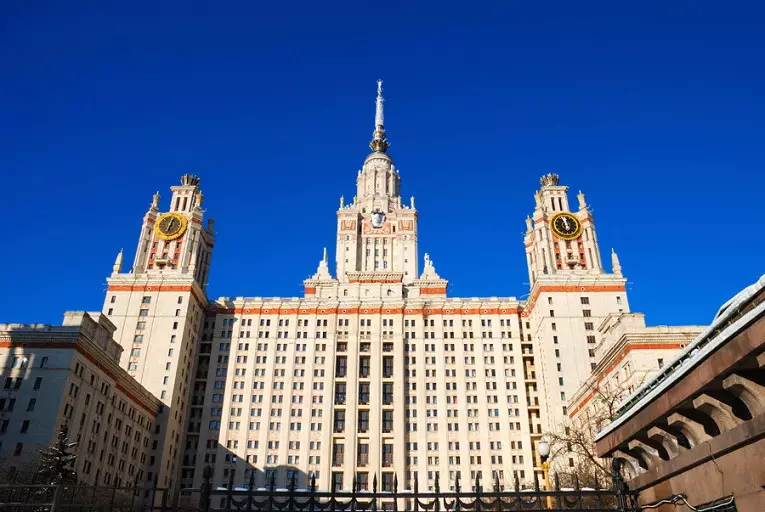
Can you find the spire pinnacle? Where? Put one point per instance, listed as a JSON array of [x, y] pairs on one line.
[[117, 267], [616, 267], [379, 142]]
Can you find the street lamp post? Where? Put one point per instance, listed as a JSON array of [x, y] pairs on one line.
[[543, 450]]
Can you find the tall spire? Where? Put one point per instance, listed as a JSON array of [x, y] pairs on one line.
[[379, 143]]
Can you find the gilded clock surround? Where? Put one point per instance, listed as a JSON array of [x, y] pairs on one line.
[[165, 227], [560, 234]]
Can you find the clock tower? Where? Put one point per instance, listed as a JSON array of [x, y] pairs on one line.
[[571, 296], [558, 240], [158, 307]]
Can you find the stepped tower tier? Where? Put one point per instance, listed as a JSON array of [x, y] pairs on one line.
[[376, 233]]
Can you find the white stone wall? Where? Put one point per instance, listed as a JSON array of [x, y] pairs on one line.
[[80, 384]]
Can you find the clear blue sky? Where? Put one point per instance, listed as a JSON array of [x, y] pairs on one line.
[[655, 110]]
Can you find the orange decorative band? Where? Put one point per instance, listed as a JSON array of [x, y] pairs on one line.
[[619, 359]]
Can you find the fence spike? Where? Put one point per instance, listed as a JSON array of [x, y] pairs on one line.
[[313, 482], [438, 486], [517, 483], [557, 482], [395, 482], [293, 483], [273, 481], [477, 482], [416, 486], [251, 483], [374, 483], [457, 482], [496, 482], [597, 484], [576, 481], [354, 484], [536, 481]]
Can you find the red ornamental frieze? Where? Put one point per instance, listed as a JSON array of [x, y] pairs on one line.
[[405, 225], [369, 230], [347, 225]]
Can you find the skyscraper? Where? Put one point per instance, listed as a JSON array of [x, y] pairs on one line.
[[375, 370]]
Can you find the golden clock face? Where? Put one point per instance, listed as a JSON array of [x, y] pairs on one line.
[[566, 226], [170, 226]]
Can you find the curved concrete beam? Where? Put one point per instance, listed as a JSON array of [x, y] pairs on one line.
[[748, 391], [691, 429], [649, 454], [667, 440], [720, 412], [631, 464]]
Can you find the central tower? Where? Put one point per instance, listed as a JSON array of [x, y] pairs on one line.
[[376, 234]]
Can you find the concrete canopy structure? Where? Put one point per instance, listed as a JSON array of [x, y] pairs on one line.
[[697, 427]]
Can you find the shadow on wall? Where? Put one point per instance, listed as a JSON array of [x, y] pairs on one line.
[[230, 469]]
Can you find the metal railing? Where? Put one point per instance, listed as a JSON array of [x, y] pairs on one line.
[[248, 498]]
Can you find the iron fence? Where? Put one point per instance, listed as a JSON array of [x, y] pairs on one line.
[[248, 498]]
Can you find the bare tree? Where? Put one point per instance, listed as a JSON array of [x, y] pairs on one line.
[[575, 440]]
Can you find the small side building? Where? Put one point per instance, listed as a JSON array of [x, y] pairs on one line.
[[70, 374], [628, 354], [695, 432]]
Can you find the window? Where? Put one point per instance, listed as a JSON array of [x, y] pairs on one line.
[[661, 363], [339, 393], [341, 366], [387, 460], [38, 383], [588, 326], [387, 393], [362, 481], [143, 312], [339, 421], [387, 367], [31, 406], [146, 300], [387, 417], [337, 480], [586, 313], [363, 421], [585, 300], [113, 299], [132, 366], [44, 362], [363, 455], [364, 367], [363, 393], [19, 447], [25, 426], [338, 454]]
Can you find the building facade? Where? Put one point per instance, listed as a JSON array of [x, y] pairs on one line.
[[375, 370], [629, 353], [71, 374]]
